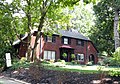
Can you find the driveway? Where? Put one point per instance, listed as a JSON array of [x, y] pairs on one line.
[[6, 80]]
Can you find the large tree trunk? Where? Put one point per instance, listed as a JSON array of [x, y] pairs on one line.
[[116, 32]]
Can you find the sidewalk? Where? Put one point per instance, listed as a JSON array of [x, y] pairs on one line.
[[6, 80]]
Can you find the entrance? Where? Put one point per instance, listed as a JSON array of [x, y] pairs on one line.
[[67, 52], [92, 58]]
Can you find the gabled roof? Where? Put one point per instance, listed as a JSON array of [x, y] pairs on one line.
[[72, 34]]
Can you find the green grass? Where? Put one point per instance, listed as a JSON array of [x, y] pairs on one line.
[[51, 67], [80, 68], [71, 70]]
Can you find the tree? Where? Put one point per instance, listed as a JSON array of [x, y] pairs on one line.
[[6, 32], [82, 18], [39, 14], [103, 33], [116, 8]]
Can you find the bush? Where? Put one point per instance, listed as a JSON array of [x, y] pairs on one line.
[[52, 61], [73, 56], [22, 63], [63, 62], [115, 73], [45, 62], [59, 60], [64, 55], [89, 63], [115, 60], [3, 51]]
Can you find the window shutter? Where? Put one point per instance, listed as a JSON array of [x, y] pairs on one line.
[[53, 39], [62, 40], [69, 40], [45, 38], [82, 43]]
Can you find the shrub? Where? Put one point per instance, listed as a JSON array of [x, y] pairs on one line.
[[59, 60], [64, 55], [22, 63], [73, 56], [89, 63], [115, 60], [115, 73], [52, 61], [45, 62], [63, 62]]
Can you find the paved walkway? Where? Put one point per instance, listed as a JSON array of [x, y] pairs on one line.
[[6, 80]]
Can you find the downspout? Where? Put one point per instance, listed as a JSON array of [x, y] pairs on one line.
[[40, 47], [86, 51]]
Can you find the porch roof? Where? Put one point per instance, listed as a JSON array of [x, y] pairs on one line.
[[66, 46]]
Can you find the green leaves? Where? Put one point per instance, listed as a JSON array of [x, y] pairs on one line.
[[103, 34]]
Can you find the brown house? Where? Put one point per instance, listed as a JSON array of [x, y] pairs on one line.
[[66, 42]]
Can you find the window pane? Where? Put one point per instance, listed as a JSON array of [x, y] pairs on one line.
[[49, 39], [49, 55], [82, 57], [65, 40], [45, 55], [54, 39], [79, 42], [53, 55]]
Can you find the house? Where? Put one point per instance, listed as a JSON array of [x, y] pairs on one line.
[[68, 42]]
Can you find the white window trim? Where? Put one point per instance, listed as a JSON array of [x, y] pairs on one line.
[[79, 56], [65, 40], [50, 55], [49, 39]]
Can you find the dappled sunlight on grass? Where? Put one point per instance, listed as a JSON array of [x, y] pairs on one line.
[[60, 66]]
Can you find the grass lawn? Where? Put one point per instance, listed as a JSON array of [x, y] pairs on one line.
[[79, 68]]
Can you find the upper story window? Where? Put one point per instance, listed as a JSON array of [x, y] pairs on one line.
[[65, 40], [50, 39], [80, 42]]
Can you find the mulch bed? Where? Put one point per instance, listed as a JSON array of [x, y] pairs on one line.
[[39, 75]]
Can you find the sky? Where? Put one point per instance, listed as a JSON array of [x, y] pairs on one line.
[[9, 1]]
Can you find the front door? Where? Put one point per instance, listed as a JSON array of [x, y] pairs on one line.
[[65, 54]]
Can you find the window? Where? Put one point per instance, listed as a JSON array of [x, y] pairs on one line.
[[53, 39], [50, 39], [65, 40], [49, 55], [80, 57], [80, 42]]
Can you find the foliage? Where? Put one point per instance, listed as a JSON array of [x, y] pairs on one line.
[[64, 55], [73, 56], [59, 60], [43, 15], [23, 63], [102, 33], [115, 73], [6, 33], [89, 63], [45, 62], [116, 56], [82, 18]]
